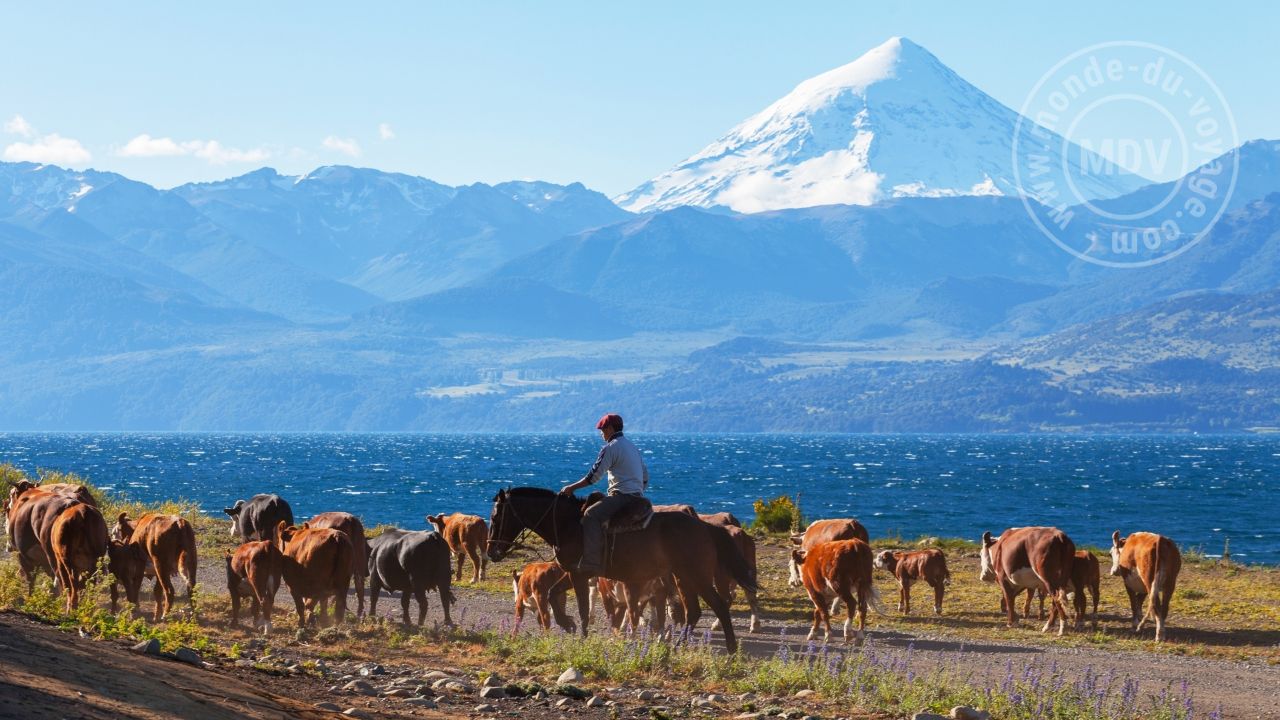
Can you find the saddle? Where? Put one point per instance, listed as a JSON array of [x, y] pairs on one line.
[[632, 520]]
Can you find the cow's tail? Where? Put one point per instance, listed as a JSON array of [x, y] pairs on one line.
[[730, 558], [946, 575], [873, 599], [1157, 588], [187, 559]]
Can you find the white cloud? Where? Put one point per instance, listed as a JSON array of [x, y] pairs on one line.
[[211, 151], [19, 126], [346, 146], [52, 148], [385, 132]]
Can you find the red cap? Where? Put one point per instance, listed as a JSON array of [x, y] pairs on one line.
[[610, 420]]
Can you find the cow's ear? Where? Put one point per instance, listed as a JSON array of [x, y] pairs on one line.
[[1115, 539]]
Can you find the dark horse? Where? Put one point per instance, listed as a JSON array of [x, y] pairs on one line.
[[674, 543]]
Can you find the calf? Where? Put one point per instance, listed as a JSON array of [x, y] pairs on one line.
[[1084, 576], [911, 567], [258, 518], [254, 571], [351, 525], [1149, 564], [78, 540], [316, 565], [839, 569], [410, 562], [624, 603], [1030, 557], [820, 531], [466, 535], [169, 544], [127, 564], [542, 587]]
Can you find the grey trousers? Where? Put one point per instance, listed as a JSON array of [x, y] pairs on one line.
[[593, 525]]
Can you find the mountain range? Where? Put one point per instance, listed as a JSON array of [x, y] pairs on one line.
[[852, 258]]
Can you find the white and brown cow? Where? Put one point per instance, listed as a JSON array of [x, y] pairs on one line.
[[911, 567], [838, 570], [1030, 557], [543, 587], [1149, 565], [820, 531]]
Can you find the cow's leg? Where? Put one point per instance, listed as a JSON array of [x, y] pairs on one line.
[[405, 597], [340, 603], [819, 613], [939, 589], [301, 607], [421, 595], [1093, 593], [1135, 608], [475, 564], [1041, 593], [157, 594], [115, 595], [1079, 605], [906, 598], [851, 607], [1026, 605], [1160, 604], [461, 558], [582, 593], [164, 578], [358, 577], [519, 609], [235, 603], [322, 616], [1010, 597], [659, 610], [543, 604], [721, 610]]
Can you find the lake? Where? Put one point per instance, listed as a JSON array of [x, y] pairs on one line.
[[1198, 490]]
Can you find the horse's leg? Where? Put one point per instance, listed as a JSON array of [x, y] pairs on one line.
[[582, 593], [721, 610]]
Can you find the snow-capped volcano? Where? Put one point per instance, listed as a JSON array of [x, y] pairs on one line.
[[895, 122]]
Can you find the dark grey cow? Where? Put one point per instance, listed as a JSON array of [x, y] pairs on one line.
[[257, 518], [410, 562]]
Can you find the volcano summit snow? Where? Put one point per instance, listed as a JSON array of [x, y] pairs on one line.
[[896, 122]]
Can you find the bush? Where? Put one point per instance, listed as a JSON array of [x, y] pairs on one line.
[[779, 515]]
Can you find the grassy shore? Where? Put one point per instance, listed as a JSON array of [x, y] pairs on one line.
[[1221, 611]]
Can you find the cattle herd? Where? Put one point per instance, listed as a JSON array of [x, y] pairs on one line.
[[59, 529]]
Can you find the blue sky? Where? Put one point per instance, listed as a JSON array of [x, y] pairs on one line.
[[609, 94]]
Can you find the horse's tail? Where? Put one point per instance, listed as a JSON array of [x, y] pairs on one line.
[[730, 558]]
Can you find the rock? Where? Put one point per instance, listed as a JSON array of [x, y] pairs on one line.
[[540, 695], [397, 693], [441, 682], [748, 716], [492, 681], [805, 693], [321, 667], [492, 693], [964, 712], [148, 647], [595, 701], [486, 708], [456, 686], [331, 707], [371, 670], [422, 702], [570, 676], [360, 687], [647, 695], [928, 716], [357, 713], [747, 696], [563, 702], [701, 703], [810, 717], [189, 656], [242, 663], [717, 698], [436, 675]]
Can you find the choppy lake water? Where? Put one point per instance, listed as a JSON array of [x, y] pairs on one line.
[[1198, 490]]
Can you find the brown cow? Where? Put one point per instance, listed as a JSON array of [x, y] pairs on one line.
[[542, 587], [29, 521], [624, 603], [820, 531], [1149, 564], [914, 566], [77, 540], [169, 543], [1084, 577], [351, 525], [841, 570], [466, 536], [254, 571], [316, 565], [1030, 557], [127, 564], [71, 490], [724, 581]]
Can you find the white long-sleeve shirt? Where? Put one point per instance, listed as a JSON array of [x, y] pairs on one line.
[[622, 461]]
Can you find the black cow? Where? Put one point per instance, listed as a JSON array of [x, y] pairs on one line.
[[257, 518], [410, 562]]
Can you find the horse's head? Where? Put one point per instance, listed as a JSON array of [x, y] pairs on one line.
[[504, 527]]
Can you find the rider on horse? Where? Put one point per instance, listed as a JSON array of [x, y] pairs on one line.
[[628, 479]]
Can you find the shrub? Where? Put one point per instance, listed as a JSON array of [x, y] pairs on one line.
[[779, 515]]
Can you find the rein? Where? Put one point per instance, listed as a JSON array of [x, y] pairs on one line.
[[517, 542]]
